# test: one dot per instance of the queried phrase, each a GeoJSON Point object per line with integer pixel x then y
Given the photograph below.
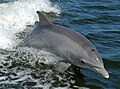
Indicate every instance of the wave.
{"type": "Point", "coordinates": [16, 15]}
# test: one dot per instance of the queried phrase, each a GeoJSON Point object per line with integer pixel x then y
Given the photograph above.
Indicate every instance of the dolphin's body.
{"type": "Point", "coordinates": [71, 46]}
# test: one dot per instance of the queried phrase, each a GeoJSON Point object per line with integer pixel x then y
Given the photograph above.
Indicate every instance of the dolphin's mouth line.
{"type": "Point", "coordinates": [101, 71]}
{"type": "Point", "coordinates": [98, 70]}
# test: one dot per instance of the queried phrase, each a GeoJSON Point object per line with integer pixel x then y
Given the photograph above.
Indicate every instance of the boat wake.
{"type": "Point", "coordinates": [16, 15]}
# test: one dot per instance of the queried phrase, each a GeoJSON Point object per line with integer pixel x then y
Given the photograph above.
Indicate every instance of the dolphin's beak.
{"type": "Point", "coordinates": [102, 71]}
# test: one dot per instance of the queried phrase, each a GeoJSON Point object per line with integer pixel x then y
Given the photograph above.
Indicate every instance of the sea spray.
{"type": "Point", "coordinates": [15, 16]}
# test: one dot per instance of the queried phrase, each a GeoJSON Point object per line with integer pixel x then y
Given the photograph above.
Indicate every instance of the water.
{"type": "Point", "coordinates": [98, 20]}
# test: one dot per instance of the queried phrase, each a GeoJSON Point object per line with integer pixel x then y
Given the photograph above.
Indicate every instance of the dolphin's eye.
{"type": "Point", "coordinates": [82, 62]}
{"type": "Point", "coordinates": [93, 49]}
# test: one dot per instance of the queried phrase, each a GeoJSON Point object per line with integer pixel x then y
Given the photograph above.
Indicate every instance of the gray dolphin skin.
{"type": "Point", "coordinates": [67, 44]}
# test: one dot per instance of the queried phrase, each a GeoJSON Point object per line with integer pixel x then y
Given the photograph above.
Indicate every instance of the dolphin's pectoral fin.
{"type": "Point", "coordinates": [62, 66]}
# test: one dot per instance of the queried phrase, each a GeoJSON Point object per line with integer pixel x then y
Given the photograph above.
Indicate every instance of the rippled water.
{"type": "Point", "coordinates": [98, 20]}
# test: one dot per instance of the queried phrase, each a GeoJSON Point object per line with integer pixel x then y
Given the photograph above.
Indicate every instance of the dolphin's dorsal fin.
{"type": "Point", "coordinates": [43, 19]}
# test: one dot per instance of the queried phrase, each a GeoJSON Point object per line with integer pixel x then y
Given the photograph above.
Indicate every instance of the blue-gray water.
{"type": "Point", "coordinates": [99, 21]}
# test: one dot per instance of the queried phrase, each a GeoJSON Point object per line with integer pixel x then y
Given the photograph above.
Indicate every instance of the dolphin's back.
{"type": "Point", "coordinates": [51, 37]}
{"type": "Point", "coordinates": [59, 40]}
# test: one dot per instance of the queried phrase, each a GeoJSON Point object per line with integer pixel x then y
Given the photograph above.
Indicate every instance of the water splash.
{"type": "Point", "coordinates": [23, 67]}
{"type": "Point", "coordinates": [15, 16]}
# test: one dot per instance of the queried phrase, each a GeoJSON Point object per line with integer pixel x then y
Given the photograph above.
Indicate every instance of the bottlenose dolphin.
{"type": "Point", "coordinates": [71, 46]}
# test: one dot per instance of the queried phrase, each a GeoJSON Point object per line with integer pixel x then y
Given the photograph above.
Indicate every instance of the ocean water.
{"type": "Point", "coordinates": [29, 68]}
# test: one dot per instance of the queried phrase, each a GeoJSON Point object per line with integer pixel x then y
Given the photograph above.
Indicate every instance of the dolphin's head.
{"type": "Point", "coordinates": [93, 61]}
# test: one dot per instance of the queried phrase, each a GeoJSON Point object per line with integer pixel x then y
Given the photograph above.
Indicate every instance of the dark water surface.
{"type": "Point", "coordinates": [99, 21]}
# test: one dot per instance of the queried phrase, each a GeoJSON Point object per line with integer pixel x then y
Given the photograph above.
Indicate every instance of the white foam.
{"type": "Point", "coordinates": [3, 78]}
{"type": "Point", "coordinates": [15, 16]}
